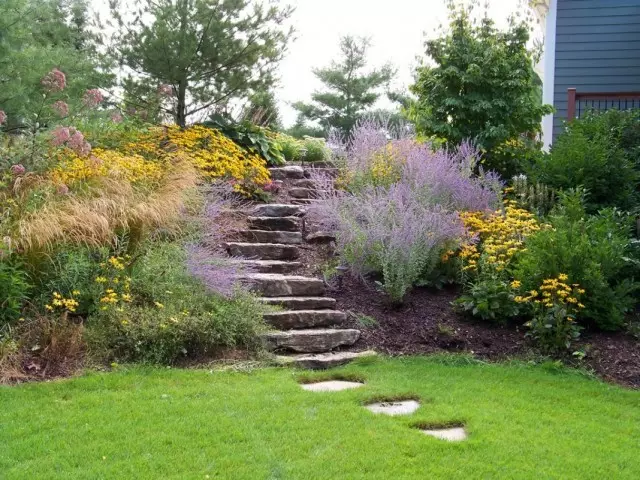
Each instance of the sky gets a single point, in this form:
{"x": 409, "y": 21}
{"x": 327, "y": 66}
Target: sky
{"x": 397, "y": 30}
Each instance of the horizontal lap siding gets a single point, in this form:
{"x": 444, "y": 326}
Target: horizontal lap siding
{"x": 597, "y": 49}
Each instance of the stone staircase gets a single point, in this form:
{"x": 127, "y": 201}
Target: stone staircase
{"x": 308, "y": 329}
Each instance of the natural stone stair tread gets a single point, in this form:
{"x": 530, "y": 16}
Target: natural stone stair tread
{"x": 269, "y": 266}
{"x": 304, "y": 183}
{"x": 263, "y": 251}
{"x": 322, "y": 361}
{"x": 285, "y": 224}
{"x": 276, "y": 285}
{"x": 304, "y": 193}
{"x": 288, "y": 172}
{"x": 321, "y": 170}
{"x": 305, "y": 201}
{"x": 271, "y": 236}
{"x": 304, "y": 319}
{"x": 310, "y": 341}
{"x": 301, "y": 303}
{"x": 277, "y": 210}
{"x": 320, "y": 237}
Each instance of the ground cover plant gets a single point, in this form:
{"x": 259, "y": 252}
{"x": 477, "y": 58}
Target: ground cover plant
{"x": 260, "y": 424}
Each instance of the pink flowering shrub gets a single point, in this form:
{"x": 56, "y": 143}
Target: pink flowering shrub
{"x": 71, "y": 138}
{"x": 92, "y": 98}
{"x": 400, "y": 229}
{"x": 54, "y": 81}
{"x": 18, "y": 170}
{"x": 61, "y": 108}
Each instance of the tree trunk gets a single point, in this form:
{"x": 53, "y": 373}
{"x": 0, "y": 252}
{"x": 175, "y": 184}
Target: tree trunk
{"x": 181, "y": 112}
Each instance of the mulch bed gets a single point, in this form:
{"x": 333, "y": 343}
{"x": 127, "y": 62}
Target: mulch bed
{"x": 427, "y": 323}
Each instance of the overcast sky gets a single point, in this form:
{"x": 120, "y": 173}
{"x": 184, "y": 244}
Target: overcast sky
{"x": 397, "y": 30}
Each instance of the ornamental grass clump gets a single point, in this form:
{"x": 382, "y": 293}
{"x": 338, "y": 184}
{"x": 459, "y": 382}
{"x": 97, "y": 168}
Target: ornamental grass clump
{"x": 399, "y": 222}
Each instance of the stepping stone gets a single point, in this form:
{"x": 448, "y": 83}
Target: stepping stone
{"x": 286, "y": 224}
{"x": 270, "y": 266}
{"x": 404, "y": 407}
{"x": 289, "y": 172}
{"x": 455, "y": 434}
{"x": 320, "y": 237}
{"x": 331, "y": 386}
{"x": 277, "y": 210}
{"x": 269, "y": 236}
{"x": 322, "y": 361}
{"x": 297, "y": 319}
{"x": 263, "y": 251}
{"x": 304, "y": 193}
{"x": 302, "y": 303}
{"x": 275, "y": 285}
{"x": 310, "y": 341}
{"x": 304, "y": 183}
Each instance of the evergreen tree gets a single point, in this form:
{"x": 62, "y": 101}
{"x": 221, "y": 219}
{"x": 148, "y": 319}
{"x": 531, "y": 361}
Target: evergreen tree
{"x": 262, "y": 110}
{"x": 207, "y": 52}
{"x": 350, "y": 90}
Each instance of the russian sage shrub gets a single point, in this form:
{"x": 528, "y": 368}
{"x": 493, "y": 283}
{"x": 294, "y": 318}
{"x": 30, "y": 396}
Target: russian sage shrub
{"x": 400, "y": 229}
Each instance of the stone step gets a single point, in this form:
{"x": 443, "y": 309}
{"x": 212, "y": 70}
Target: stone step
{"x": 304, "y": 183}
{"x": 304, "y": 193}
{"x": 263, "y": 251}
{"x": 277, "y": 210}
{"x": 270, "y": 266}
{"x": 310, "y": 341}
{"x": 302, "y": 303}
{"x": 328, "y": 171}
{"x": 322, "y": 361}
{"x": 320, "y": 237}
{"x": 269, "y": 236}
{"x": 288, "y": 172}
{"x": 276, "y": 285}
{"x": 300, "y": 319}
{"x": 305, "y": 201}
{"x": 285, "y": 224}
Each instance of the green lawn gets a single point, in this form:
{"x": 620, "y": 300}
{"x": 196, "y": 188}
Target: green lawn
{"x": 524, "y": 422}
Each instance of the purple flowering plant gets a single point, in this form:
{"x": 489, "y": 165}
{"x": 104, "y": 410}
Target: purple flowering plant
{"x": 400, "y": 227}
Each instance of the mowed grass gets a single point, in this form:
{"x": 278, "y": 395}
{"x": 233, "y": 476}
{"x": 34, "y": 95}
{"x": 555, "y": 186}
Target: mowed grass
{"x": 523, "y": 422}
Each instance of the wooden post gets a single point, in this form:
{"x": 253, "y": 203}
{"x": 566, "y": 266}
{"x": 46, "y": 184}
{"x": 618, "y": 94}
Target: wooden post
{"x": 571, "y": 104}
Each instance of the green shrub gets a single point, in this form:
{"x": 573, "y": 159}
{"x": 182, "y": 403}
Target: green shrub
{"x": 165, "y": 333}
{"x": 14, "y": 288}
{"x": 596, "y": 152}
{"x": 170, "y": 315}
{"x": 592, "y": 250}
{"x": 489, "y": 297}
{"x": 316, "y": 150}
{"x": 290, "y": 147}
{"x": 251, "y": 137}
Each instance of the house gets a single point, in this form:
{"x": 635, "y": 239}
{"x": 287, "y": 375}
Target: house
{"x": 591, "y": 57}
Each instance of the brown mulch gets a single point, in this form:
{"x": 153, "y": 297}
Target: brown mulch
{"x": 427, "y": 323}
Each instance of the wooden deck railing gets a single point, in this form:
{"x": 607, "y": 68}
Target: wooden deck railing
{"x": 579, "y": 102}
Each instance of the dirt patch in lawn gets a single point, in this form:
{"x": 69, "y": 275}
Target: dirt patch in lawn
{"x": 427, "y": 324}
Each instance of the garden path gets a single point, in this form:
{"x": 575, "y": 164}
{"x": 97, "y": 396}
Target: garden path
{"x": 308, "y": 327}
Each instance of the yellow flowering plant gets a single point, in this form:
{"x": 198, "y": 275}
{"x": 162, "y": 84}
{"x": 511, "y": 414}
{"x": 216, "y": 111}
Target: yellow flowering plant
{"x": 555, "y": 308}
{"x": 114, "y": 283}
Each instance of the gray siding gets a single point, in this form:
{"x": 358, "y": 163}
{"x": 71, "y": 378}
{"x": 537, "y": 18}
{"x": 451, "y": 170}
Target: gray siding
{"x": 597, "y": 49}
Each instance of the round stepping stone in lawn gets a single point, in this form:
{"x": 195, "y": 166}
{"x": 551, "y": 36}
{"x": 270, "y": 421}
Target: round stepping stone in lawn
{"x": 331, "y": 386}
{"x": 401, "y": 407}
{"x": 452, "y": 434}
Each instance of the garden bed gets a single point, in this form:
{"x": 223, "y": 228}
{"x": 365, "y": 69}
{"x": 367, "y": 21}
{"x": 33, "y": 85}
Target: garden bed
{"x": 427, "y": 324}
